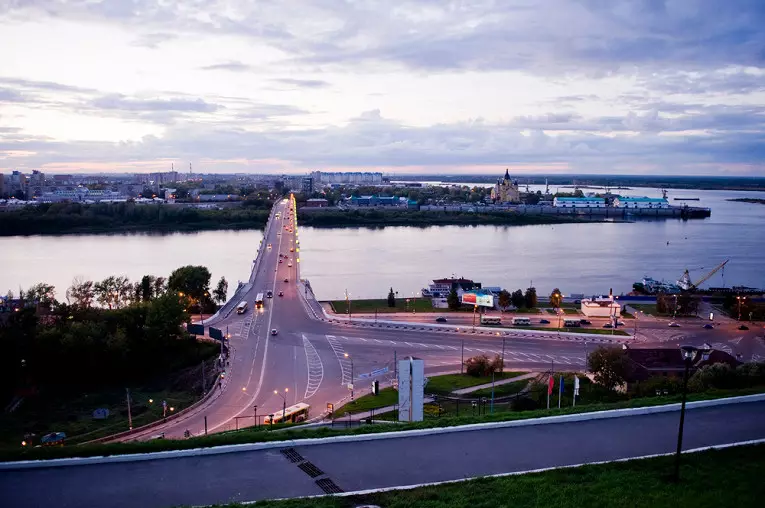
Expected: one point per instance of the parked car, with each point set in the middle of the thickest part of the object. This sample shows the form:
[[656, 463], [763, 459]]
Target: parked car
[[674, 325], [743, 327], [584, 322], [286, 280], [708, 326], [608, 325], [274, 332], [441, 319], [281, 293], [544, 322], [270, 294]]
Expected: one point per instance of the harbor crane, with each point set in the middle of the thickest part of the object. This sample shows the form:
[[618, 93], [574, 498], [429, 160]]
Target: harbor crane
[[686, 284]]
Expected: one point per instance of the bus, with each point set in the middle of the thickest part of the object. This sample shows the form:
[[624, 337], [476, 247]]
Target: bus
[[521, 321], [259, 301], [293, 414], [242, 307], [569, 323], [486, 320]]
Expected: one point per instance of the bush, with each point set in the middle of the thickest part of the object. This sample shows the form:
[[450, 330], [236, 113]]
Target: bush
[[479, 366], [718, 375], [647, 388]]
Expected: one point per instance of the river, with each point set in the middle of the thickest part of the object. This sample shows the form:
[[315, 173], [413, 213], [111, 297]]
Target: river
[[577, 258]]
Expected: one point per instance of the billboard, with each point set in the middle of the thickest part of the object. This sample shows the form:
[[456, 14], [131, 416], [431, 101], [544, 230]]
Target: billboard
[[481, 300], [195, 329], [215, 333]]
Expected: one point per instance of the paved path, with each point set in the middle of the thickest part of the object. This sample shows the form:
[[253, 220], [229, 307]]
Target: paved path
[[266, 474], [471, 389]]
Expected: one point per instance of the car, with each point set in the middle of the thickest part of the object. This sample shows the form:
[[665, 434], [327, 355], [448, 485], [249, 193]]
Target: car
[[708, 327], [673, 325], [292, 249], [280, 261], [281, 293], [608, 325], [273, 331], [286, 280], [289, 265], [743, 327], [440, 319], [269, 246], [270, 294], [544, 321], [584, 322], [620, 323]]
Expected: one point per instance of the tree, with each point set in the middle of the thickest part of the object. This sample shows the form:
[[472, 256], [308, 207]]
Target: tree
[[160, 286], [530, 298], [42, 293], [517, 299], [147, 287], [391, 298], [80, 293], [504, 299], [220, 294], [481, 365], [114, 292], [453, 300], [192, 281], [556, 298], [610, 366]]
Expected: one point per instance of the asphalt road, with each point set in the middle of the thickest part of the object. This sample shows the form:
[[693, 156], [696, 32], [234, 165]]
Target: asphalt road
[[266, 474], [306, 361]]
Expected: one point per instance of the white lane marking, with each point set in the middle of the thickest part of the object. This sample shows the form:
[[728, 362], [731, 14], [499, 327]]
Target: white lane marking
[[409, 344], [378, 341], [341, 359], [361, 338], [315, 368]]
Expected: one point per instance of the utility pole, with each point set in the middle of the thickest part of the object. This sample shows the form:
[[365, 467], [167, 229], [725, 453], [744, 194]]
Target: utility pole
[[503, 354], [462, 360], [492, 394], [130, 416], [204, 384]]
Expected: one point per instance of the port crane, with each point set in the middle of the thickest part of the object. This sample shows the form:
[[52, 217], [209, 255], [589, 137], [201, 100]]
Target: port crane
[[686, 284]]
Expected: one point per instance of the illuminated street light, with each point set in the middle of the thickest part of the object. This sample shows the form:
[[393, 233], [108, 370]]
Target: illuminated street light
[[351, 359], [284, 399]]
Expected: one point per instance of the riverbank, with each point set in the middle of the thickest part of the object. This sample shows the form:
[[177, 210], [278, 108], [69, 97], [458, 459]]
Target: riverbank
[[748, 200], [75, 218]]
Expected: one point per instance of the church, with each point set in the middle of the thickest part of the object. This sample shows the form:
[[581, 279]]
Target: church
[[506, 191]]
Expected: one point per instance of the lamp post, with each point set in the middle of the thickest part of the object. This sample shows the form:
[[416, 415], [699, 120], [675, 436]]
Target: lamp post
[[351, 359], [689, 354], [475, 307], [284, 406], [740, 299]]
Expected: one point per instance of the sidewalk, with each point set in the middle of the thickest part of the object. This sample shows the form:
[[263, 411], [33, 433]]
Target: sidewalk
[[471, 389], [378, 411]]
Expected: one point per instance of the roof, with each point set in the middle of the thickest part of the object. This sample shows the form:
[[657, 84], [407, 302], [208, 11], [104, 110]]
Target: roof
[[642, 199], [579, 199], [666, 359], [449, 281], [316, 199]]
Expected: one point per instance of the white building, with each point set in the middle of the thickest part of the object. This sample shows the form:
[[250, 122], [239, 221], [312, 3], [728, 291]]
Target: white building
[[602, 308], [80, 195], [641, 202], [586, 202]]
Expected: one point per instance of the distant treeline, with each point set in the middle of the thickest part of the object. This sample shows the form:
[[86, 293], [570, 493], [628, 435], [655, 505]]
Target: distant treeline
[[377, 217], [748, 200], [59, 218]]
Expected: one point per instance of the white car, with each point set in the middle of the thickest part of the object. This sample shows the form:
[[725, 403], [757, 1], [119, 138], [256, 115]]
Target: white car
[[274, 332], [674, 325]]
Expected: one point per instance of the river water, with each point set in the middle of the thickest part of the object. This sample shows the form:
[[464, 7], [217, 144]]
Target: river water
[[577, 258]]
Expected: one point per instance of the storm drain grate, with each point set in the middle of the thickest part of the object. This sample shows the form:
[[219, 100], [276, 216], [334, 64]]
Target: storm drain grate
[[310, 469], [328, 486], [292, 455]]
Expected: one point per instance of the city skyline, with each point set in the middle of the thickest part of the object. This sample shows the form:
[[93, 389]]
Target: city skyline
[[658, 87]]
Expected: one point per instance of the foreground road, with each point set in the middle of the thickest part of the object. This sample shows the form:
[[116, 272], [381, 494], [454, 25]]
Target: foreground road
[[374, 464]]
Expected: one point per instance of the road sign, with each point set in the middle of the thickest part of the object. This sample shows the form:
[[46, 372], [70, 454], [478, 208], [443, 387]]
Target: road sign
[[374, 373], [216, 333], [480, 300], [330, 407], [101, 414], [196, 329]]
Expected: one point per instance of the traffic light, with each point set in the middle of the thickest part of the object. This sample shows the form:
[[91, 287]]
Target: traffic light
[[375, 387]]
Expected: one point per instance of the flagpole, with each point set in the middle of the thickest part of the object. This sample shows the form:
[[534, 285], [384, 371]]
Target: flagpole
[[560, 390]]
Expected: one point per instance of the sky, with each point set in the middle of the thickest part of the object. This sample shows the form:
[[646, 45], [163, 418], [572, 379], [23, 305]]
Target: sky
[[673, 87]]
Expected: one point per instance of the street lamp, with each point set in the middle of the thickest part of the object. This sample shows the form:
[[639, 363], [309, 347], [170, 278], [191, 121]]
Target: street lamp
[[689, 354], [740, 299], [351, 359], [284, 406]]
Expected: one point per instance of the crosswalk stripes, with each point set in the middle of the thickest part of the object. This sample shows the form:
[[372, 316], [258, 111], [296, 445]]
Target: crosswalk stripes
[[337, 348], [315, 368]]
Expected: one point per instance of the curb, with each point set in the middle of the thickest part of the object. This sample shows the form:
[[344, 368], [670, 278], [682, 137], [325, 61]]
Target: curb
[[546, 420]]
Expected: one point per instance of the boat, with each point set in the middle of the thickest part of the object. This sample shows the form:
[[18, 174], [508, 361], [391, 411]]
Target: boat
[[652, 286], [686, 199]]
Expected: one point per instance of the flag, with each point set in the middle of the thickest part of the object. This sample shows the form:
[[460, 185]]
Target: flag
[[561, 385], [576, 386], [550, 385]]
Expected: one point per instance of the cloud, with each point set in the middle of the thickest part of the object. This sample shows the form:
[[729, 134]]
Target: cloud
[[8, 95], [302, 83], [154, 40], [123, 103], [232, 66]]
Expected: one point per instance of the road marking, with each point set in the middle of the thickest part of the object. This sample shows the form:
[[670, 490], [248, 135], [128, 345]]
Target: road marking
[[409, 344], [315, 368], [337, 348], [737, 340]]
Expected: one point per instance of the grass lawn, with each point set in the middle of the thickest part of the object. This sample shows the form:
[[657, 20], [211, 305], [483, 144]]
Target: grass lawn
[[710, 479], [502, 390], [571, 312], [442, 385], [627, 315], [369, 306], [387, 397], [262, 434], [551, 311], [526, 311]]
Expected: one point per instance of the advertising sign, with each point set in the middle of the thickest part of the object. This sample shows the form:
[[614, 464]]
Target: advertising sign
[[215, 333], [477, 299], [196, 329]]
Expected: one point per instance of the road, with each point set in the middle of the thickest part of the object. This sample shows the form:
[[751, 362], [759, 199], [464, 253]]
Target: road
[[306, 361], [264, 474]]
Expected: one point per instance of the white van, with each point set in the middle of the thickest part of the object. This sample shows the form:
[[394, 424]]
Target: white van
[[521, 321]]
